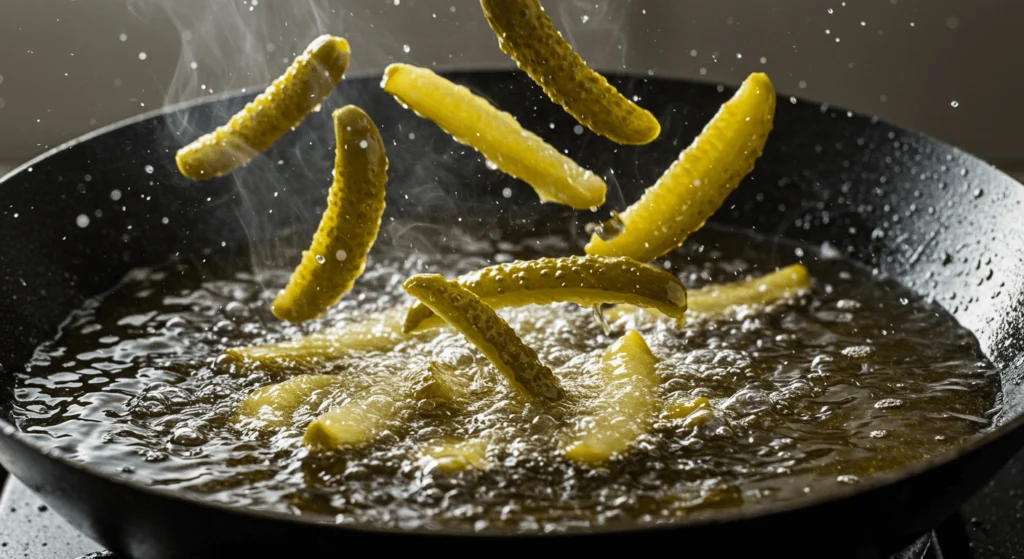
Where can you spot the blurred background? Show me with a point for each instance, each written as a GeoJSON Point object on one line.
{"type": "Point", "coordinates": [949, 68]}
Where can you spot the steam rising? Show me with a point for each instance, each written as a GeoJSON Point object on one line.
{"type": "Point", "coordinates": [228, 46]}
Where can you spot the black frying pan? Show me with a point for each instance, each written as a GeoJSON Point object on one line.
{"type": "Point", "coordinates": [919, 211]}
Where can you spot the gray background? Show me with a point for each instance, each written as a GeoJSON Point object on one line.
{"type": "Point", "coordinates": [69, 66]}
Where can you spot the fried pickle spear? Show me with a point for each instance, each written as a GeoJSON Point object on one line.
{"type": "Point", "coordinates": [378, 332]}
{"type": "Point", "coordinates": [526, 34]}
{"type": "Point", "coordinates": [473, 121]}
{"type": "Point", "coordinates": [584, 280]}
{"type": "Point", "coordinates": [697, 184]}
{"type": "Point", "coordinates": [308, 82]}
{"type": "Point", "coordinates": [275, 404]}
{"type": "Point", "coordinates": [479, 323]}
{"type": "Point", "coordinates": [627, 405]}
{"type": "Point", "coordinates": [349, 225]}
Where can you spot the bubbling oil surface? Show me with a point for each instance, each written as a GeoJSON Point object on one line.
{"type": "Point", "coordinates": [855, 378]}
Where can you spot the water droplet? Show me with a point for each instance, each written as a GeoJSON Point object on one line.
{"type": "Point", "coordinates": [363, 144]}
{"type": "Point", "coordinates": [341, 255]}
{"type": "Point", "coordinates": [578, 130]}
{"type": "Point", "coordinates": [506, 192]}
{"type": "Point", "coordinates": [406, 48]}
{"type": "Point", "coordinates": [193, 65]}
{"type": "Point", "coordinates": [584, 18]}
{"type": "Point", "coordinates": [148, 169]}
{"type": "Point", "coordinates": [802, 84]}
{"type": "Point", "coordinates": [142, 56]}
{"type": "Point", "coordinates": [320, 259]}
{"type": "Point", "coordinates": [954, 104]}
{"type": "Point", "coordinates": [123, 37]}
{"type": "Point", "coordinates": [978, 192]}
{"type": "Point", "coordinates": [82, 221]}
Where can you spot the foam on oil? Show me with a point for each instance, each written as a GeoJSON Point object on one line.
{"type": "Point", "coordinates": [858, 377]}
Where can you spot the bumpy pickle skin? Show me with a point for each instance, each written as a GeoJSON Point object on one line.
{"type": "Point", "coordinates": [308, 82]}
{"type": "Point", "coordinates": [696, 184]}
{"type": "Point", "coordinates": [377, 332]}
{"type": "Point", "coordinates": [584, 280]}
{"type": "Point", "coordinates": [274, 405]}
{"type": "Point", "coordinates": [473, 121]}
{"type": "Point", "coordinates": [349, 226]}
{"type": "Point", "coordinates": [464, 311]}
{"type": "Point", "coordinates": [764, 290]}
{"type": "Point", "coordinates": [528, 36]}
{"type": "Point", "coordinates": [627, 405]}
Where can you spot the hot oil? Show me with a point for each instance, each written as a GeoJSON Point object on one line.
{"type": "Point", "coordinates": [855, 378]}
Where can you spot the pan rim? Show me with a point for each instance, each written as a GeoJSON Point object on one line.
{"type": "Point", "coordinates": [834, 494]}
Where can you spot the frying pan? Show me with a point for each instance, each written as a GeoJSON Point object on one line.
{"type": "Point", "coordinates": [935, 219]}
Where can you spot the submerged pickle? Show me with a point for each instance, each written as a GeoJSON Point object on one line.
{"type": "Point", "coordinates": [527, 34]}
{"type": "Point", "coordinates": [471, 120]}
{"type": "Point", "coordinates": [308, 82]}
{"type": "Point", "coordinates": [721, 297]}
{"type": "Point", "coordinates": [353, 423]}
{"type": "Point", "coordinates": [455, 456]}
{"type": "Point", "coordinates": [486, 330]}
{"type": "Point", "coordinates": [349, 226]}
{"type": "Point", "coordinates": [377, 332]}
{"type": "Point", "coordinates": [697, 184]}
{"type": "Point", "coordinates": [626, 406]}
{"type": "Point", "coordinates": [763, 290]}
{"type": "Point", "coordinates": [584, 280]}
{"type": "Point", "coordinates": [274, 405]}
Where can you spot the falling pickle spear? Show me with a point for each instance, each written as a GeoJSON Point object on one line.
{"type": "Point", "coordinates": [275, 404]}
{"type": "Point", "coordinates": [626, 406]}
{"type": "Point", "coordinates": [584, 280]}
{"type": "Point", "coordinates": [697, 184]}
{"type": "Point", "coordinates": [377, 332]}
{"type": "Point", "coordinates": [527, 34]}
{"type": "Point", "coordinates": [349, 226]}
{"type": "Point", "coordinates": [486, 330]}
{"type": "Point", "coordinates": [308, 82]}
{"type": "Point", "coordinates": [473, 121]}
